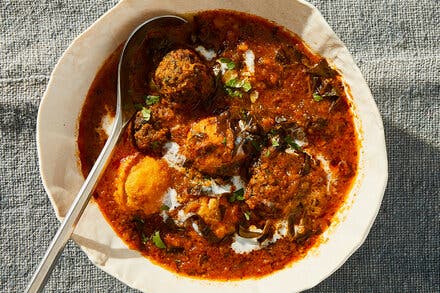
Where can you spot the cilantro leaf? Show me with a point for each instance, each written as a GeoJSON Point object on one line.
{"type": "Point", "coordinates": [138, 106]}
{"type": "Point", "coordinates": [151, 100]}
{"type": "Point", "coordinates": [234, 85]}
{"type": "Point", "coordinates": [317, 97]}
{"type": "Point", "coordinates": [292, 143]}
{"type": "Point", "coordinates": [233, 93]}
{"type": "Point", "coordinates": [256, 145]}
{"type": "Point", "coordinates": [246, 86]}
{"type": "Point", "coordinates": [164, 207]}
{"type": "Point", "coordinates": [146, 114]}
{"type": "Point", "coordinates": [237, 195]}
{"type": "Point", "coordinates": [157, 240]}
{"type": "Point", "coordinates": [138, 220]}
{"type": "Point", "coordinates": [275, 142]}
{"type": "Point", "coordinates": [233, 82]}
{"type": "Point", "coordinates": [229, 63]}
{"type": "Point", "coordinates": [154, 145]}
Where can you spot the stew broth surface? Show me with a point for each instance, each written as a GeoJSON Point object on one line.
{"type": "Point", "coordinates": [243, 148]}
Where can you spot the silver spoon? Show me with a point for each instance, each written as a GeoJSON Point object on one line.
{"type": "Point", "coordinates": [125, 110]}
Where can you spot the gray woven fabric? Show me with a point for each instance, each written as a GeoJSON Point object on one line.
{"type": "Point", "coordinates": [396, 43]}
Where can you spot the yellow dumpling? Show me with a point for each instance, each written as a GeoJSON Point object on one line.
{"type": "Point", "coordinates": [144, 186]}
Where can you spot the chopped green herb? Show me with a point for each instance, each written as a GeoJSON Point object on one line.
{"type": "Point", "coordinates": [256, 145]}
{"type": "Point", "coordinates": [144, 238]}
{"type": "Point", "coordinates": [237, 195]}
{"type": "Point", "coordinates": [146, 113]}
{"type": "Point", "coordinates": [330, 94]}
{"type": "Point", "coordinates": [275, 142]}
{"type": "Point", "coordinates": [155, 145]}
{"type": "Point", "coordinates": [224, 141]}
{"type": "Point", "coordinates": [317, 97]}
{"type": "Point", "coordinates": [151, 100]}
{"type": "Point", "coordinates": [235, 86]}
{"type": "Point", "coordinates": [292, 143]}
{"type": "Point", "coordinates": [267, 153]}
{"type": "Point", "coordinates": [243, 114]}
{"type": "Point", "coordinates": [138, 220]}
{"type": "Point", "coordinates": [164, 207]}
{"type": "Point", "coordinates": [229, 63]}
{"type": "Point", "coordinates": [157, 240]}
{"type": "Point", "coordinates": [246, 85]}
{"type": "Point", "coordinates": [233, 93]}
{"type": "Point", "coordinates": [138, 106]}
{"type": "Point", "coordinates": [247, 215]}
{"type": "Point", "coordinates": [273, 131]}
{"type": "Point", "coordinates": [233, 82]}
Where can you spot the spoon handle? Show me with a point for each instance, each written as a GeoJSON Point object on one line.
{"type": "Point", "coordinates": [69, 223]}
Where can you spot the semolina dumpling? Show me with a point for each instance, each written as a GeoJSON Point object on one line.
{"type": "Point", "coordinates": [142, 184]}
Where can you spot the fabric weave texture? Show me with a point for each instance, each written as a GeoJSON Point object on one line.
{"type": "Point", "coordinates": [396, 44]}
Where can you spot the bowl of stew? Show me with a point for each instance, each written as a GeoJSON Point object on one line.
{"type": "Point", "coordinates": [255, 160]}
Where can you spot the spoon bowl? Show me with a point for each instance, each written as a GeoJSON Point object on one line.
{"type": "Point", "coordinates": [125, 108]}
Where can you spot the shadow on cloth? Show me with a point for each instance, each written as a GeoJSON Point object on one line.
{"type": "Point", "coordinates": [404, 240]}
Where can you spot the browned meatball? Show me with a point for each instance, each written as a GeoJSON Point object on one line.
{"type": "Point", "coordinates": [151, 135]}
{"type": "Point", "coordinates": [210, 146]}
{"type": "Point", "coordinates": [183, 77]}
{"type": "Point", "coordinates": [149, 139]}
{"type": "Point", "coordinates": [278, 183]}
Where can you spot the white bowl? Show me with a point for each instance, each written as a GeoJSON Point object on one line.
{"type": "Point", "coordinates": [57, 149]}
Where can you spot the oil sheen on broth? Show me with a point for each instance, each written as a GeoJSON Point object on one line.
{"type": "Point", "coordinates": [242, 150]}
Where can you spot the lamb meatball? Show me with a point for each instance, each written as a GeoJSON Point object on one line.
{"type": "Point", "coordinates": [184, 78]}
{"type": "Point", "coordinates": [210, 146]}
{"type": "Point", "coordinates": [151, 135]}
{"type": "Point", "coordinates": [148, 139]}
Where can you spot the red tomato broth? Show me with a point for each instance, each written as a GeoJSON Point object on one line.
{"type": "Point", "coordinates": [285, 92]}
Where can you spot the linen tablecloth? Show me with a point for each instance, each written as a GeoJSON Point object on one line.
{"type": "Point", "coordinates": [396, 44]}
